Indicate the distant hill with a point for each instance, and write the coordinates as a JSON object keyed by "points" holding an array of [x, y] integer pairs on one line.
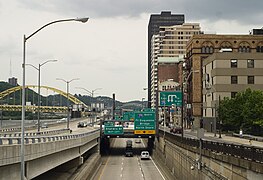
{"points": [[52, 100]]}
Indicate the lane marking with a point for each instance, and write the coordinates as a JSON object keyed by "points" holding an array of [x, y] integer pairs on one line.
{"points": [[155, 164], [105, 163]]}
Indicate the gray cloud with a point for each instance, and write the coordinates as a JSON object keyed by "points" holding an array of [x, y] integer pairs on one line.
{"points": [[211, 10]]}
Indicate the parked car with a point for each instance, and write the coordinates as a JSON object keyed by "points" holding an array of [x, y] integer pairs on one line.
{"points": [[176, 130], [145, 155], [82, 124]]}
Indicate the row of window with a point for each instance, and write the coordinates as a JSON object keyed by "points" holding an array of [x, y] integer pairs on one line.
{"points": [[250, 80], [245, 49], [250, 63]]}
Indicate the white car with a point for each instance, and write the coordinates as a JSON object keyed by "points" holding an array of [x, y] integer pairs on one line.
{"points": [[145, 155]]}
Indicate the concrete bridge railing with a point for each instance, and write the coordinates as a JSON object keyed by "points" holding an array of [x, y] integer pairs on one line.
{"points": [[43, 153]]}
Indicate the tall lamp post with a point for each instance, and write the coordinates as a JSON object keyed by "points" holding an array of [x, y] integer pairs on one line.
{"points": [[142, 103], [39, 97], [83, 20], [92, 95], [67, 82], [182, 88]]}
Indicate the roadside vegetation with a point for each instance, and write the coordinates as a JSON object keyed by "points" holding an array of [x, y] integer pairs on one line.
{"points": [[244, 112]]}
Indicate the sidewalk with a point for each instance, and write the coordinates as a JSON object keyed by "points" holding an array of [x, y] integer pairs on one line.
{"points": [[227, 138]]}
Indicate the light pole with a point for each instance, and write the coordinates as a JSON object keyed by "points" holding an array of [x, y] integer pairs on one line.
{"points": [[83, 20], [39, 97], [182, 88], [92, 95], [67, 82], [142, 103]]}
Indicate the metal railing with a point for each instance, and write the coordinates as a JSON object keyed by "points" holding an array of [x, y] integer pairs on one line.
{"points": [[250, 153]]}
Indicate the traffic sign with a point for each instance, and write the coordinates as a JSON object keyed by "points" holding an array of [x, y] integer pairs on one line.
{"points": [[128, 116], [168, 98], [144, 121], [144, 132], [148, 110], [108, 123], [109, 130]]}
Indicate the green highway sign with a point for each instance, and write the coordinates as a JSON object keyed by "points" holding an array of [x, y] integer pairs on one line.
{"points": [[148, 110], [128, 116], [110, 130], [144, 121], [109, 123], [168, 98]]}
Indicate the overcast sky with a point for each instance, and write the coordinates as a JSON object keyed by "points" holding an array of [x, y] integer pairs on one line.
{"points": [[110, 50]]}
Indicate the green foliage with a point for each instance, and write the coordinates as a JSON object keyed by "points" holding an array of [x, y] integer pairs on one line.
{"points": [[245, 112]]}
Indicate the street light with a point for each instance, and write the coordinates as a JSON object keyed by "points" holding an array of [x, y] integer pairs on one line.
{"points": [[92, 95], [67, 96], [83, 20], [182, 88], [39, 97], [142, 103]]}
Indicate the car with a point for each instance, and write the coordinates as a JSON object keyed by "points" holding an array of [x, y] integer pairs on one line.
{"points": [[129, 152], [82, 124], [176, 130], [44, 125], [145, 155], [128, 143], [138, 141]]}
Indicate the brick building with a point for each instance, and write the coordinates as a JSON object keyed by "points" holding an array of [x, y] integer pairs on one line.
{"points": [[202, 46]]}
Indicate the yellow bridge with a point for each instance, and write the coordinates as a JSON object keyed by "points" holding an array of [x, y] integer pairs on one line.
{"points": [[32, 108]]}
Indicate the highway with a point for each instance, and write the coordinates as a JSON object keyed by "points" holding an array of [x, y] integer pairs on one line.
{"points": [[117, 166]]}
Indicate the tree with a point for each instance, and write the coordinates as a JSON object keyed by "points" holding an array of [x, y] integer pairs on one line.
{"points": [[244, 111]]}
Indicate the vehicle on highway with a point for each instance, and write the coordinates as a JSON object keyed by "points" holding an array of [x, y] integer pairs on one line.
{"points": [[176, 130], [62, 120], [44, 125], [128, 152], [145, 155], [82, 124], [128, 143], [138, 140]]}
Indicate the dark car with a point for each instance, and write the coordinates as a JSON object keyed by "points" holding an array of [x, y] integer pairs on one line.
{"points": [[129, 152], [129, 143], [176, 130]]}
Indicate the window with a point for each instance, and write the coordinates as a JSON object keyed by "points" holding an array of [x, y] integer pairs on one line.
{"points": [[250, 79], [233, 63], [233, 94], [233, 79], [250, 63]]}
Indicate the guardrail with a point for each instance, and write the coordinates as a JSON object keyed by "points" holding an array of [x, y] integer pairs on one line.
{"points": [[250, 153], [58, 131], [41, 139]]}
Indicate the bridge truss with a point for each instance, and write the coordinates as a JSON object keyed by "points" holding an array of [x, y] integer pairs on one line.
{"points": [[32, 108]]}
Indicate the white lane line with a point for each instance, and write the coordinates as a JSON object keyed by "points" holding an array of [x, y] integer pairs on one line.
{"points": [[157, 168], [155, 164]]}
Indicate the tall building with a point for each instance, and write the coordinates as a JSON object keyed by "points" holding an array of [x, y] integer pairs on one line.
{"points": [[202, 46], [12, 81], [157, 20], [168, 49]]}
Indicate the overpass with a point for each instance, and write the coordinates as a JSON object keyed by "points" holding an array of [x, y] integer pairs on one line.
{"points": [[43, 153]]}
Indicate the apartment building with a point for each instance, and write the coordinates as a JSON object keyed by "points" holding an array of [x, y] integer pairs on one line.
{"points": [[224, 75], [168, 49], [200, 47], [166, 18]]}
